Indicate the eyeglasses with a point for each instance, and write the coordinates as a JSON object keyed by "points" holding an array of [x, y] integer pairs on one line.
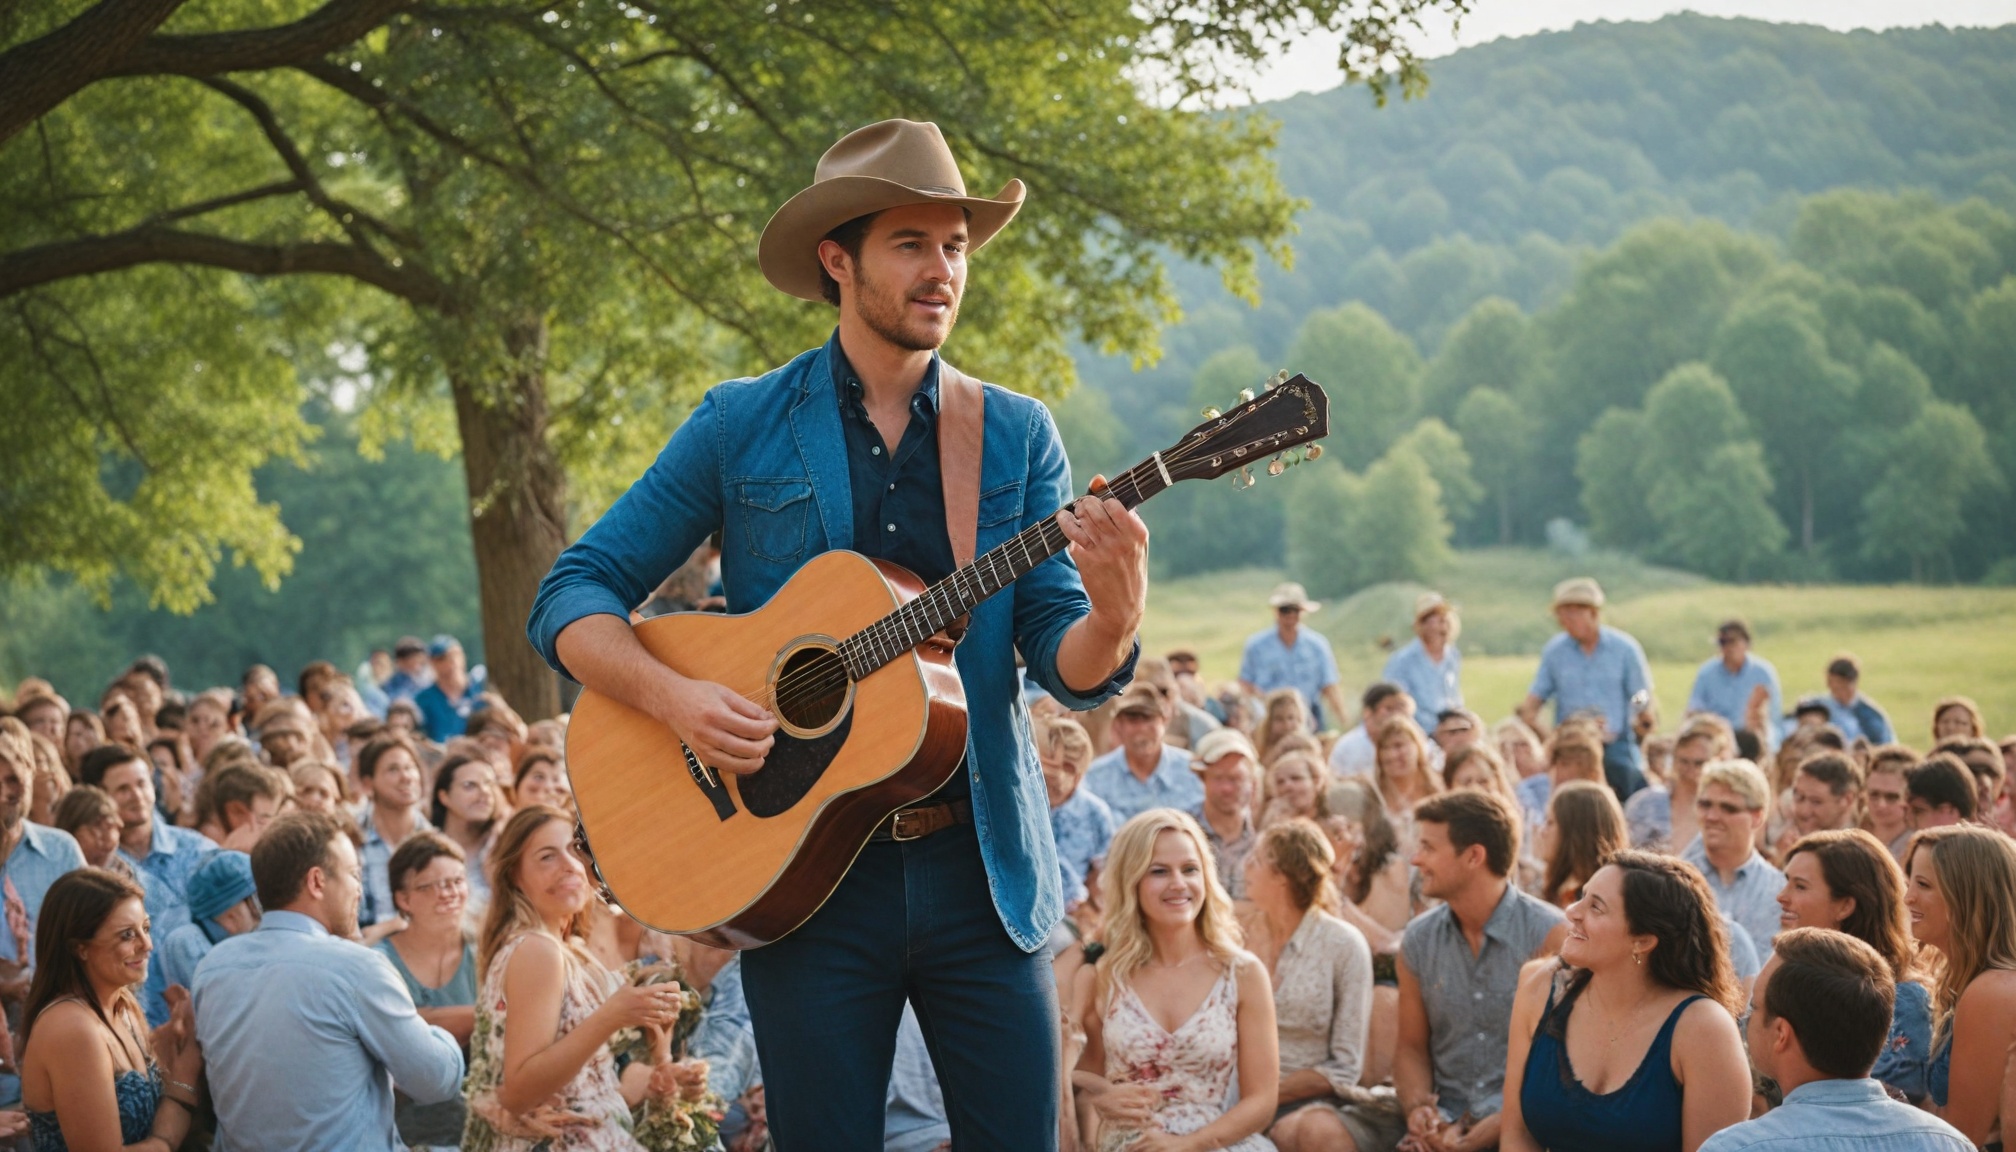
{"points": [[1725, 641], [450, 886], [1723, 806]]}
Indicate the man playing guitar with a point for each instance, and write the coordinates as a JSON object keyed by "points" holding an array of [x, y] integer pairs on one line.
{"points": [[838, 449]]}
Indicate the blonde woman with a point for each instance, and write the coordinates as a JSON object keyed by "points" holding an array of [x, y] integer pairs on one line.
{"points": [[1286, 714], [1406, 776], [1174, 1008], [1297, 786], [541, 1075], [1961, 894]]}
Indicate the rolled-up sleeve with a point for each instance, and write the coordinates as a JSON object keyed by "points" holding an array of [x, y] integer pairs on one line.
{"points": [[1051, 598], [425, 1061], [648, 532]]}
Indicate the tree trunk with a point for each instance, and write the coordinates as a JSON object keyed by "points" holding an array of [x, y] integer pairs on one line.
{"points": [[518, 515]]}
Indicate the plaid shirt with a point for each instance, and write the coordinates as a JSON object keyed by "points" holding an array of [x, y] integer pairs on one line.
{"points": [[376, 856]]}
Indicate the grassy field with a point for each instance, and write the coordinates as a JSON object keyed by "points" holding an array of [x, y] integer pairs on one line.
{"points": [[1916, 644]]}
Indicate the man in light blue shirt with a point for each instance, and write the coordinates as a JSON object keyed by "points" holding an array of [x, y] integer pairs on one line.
{"points": [[1819, 1016], [1143, 772], [1291, 656], [1595, 669], [1731, 804], [1429, 667], [166, 855], [1725, 684], [304, 1033]]}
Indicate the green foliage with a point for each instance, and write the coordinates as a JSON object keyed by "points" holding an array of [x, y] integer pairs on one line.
{"points": [[1491, 347], [1914, 510], [1443, 451], [1202, 527], [1353, 531], [1371, 372], [1606, 462], [1499, 435]]}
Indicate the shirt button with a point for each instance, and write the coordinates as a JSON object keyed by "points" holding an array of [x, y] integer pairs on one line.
{"points": [[892, 527], [892, 487], [875, 451]]}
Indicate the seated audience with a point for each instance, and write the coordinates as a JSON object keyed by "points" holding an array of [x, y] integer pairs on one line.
{"points": [[445, 704], [223, 902], [1984, 761], [1377, 878], [1284, 713], [1406, 774], [167, 854], [914, 1118], [1957, 718], [468, 808], [1940, 792], [1143, 772], [1353, 754], [1080, 823], [1962, 897], [319, 786], [236, 803], [82, 731], [284, 734], [306, 1033], [1846, 881], [1478, 766], [1656, 1061], [541, 778], [1818, 1021], [1520, 747], [1661, 817], [91, 817], [1455, 730], [436, 960], [1573, 754], [1322, 977], [1584, 828], [1174, 1009], [90, 1077], [1297, 788], [1887, 811], [209, 721], [1731, 808], [1459, 969], [390, 770], [1228, 765], [32, 858]]}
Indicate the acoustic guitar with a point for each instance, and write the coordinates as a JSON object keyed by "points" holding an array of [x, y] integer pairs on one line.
{"points": [[850, 657]]}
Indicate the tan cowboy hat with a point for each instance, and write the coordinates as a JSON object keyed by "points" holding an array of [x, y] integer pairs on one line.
{"points": [[1580, 590], [1292, 595], [886, 165]]}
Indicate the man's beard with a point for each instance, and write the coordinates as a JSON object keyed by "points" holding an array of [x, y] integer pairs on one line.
{"points": [[890, 319]]}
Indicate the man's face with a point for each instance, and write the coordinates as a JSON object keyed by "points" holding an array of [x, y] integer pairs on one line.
{"points": [[412, 663], [1398, 704], [1579, 621], [132, 787], [342, 888], [1887, 809], [450, 665], [17, 784], [1444, 871], [1433, 629], [1140, 733], [1760, 1031], [1815, 808], [284, 740], [1228, 784], [45, 720], [1689, 758], [395, 781], [1841, 688], [1728, 824], [1455, 732], [1288, 616], [1986, 767], [1734, 647], [906, 285], [261, 688], [1924, 815]]}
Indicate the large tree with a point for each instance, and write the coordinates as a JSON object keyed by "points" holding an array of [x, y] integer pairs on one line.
{"points": [[531, 227]]}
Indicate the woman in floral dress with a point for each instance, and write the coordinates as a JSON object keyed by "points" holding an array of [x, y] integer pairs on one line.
{"points": [[541, 1073], [1174, 1008]]}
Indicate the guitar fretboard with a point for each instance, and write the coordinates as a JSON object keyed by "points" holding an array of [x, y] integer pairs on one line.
{"points": [[957, 594]]}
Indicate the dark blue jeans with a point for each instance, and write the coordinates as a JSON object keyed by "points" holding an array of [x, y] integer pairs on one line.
{"points": [[911, 921]]}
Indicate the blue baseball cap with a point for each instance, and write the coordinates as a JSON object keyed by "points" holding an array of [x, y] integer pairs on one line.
{"points": [[441, 645], [221, 881]]}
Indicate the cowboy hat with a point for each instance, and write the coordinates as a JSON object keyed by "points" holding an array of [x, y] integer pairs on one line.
{"points": [[882, 166], [1289, 594]]}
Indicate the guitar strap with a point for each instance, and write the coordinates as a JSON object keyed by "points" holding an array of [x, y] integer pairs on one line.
{"points": [[961, 422]]}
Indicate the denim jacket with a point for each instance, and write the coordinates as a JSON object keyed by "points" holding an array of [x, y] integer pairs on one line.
{"points": [[764, 460]]}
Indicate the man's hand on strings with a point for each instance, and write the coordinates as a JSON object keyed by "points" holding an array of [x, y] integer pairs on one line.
{"points": [[726, 730], [1109, 543]]}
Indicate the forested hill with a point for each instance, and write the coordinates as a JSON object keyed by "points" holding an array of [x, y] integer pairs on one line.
{"points": [[1630, 194]]}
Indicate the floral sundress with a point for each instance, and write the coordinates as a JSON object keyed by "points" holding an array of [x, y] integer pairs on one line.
{"points": [[1192, 1067]]}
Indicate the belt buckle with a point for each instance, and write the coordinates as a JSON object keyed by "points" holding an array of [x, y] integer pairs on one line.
{"points": [[899, 825]]}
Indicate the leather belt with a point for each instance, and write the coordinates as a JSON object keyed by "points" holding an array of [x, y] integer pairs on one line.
{"points": [[923, 820]]}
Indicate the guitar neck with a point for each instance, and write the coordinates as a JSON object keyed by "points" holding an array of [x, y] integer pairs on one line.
{"points": [[958, 594]]}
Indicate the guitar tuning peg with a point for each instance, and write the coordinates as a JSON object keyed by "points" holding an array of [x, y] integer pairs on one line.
{"points": [[1212, 413], [1245, 394], [1246, 474], [1280, 377], [1276, 466], [1315, 452]]}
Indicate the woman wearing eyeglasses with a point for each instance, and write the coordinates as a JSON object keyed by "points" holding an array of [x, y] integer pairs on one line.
{"points": [[437, 960]]}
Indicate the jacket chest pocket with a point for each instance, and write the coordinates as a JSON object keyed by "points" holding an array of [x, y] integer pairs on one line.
{"points": [[1001, 505], [773, 516]]}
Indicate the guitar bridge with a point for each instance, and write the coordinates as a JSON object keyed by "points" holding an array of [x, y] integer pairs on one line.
{"points": [[710, 783]]}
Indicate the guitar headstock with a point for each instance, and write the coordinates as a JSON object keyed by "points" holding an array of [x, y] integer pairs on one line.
{"points": [[1291, 412]]}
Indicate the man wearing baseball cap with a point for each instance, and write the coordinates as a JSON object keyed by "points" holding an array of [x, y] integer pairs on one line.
{"points": [[445, 704], [1592, 668], [840, 449], [1429, 667], [1291, 656], [1145, 771], [1225, 761]]}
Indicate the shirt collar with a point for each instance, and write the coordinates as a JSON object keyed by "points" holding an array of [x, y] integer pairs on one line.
{"points": [[1499, 925], [1837, 1092], [1303, 930], [38, 839], [847, 386], [281, 920]]}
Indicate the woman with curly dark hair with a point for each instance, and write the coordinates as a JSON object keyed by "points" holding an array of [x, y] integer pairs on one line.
{"points": [[1629, 1044]]}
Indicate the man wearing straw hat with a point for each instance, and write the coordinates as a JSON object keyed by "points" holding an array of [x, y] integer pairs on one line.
{"points": [[1291, 656], [840, 448], [1590, 668], [1429, 667]]}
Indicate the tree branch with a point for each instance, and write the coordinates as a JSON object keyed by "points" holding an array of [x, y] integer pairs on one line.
{"points": [[252, 50], [44, 72], [219, 203], [91, 255]]}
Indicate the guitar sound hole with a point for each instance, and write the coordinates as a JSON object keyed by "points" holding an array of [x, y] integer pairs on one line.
{"points": [[811, 688]]}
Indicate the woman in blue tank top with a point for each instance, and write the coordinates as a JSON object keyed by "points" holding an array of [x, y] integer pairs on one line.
{"points": [[1630, 1043]]}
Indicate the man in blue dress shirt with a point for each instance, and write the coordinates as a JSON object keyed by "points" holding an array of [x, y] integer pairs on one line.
{"points": [[1291, 656], [1143, 772], [1593, 668], [1725, 685], [1819, 1016], [1429, 667], [304, 1033]]}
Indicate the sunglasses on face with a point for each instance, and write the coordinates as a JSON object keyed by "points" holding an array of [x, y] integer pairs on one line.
{"points": [[1723, 806]]}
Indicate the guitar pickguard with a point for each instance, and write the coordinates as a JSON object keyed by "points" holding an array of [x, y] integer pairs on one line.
{"points": [[793, 766]]}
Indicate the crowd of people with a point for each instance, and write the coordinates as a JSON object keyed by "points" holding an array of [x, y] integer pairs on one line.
{"points": [[242, 914]]}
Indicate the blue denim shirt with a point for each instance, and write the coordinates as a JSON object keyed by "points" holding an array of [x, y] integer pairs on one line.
{"points": [[764, 460], [1727, 694], [1840, 1116], [1308, 667], [304, 1036], [1751, 896], [1905, 1061], [1082, 826], [1602, 681], [1435, 686]]}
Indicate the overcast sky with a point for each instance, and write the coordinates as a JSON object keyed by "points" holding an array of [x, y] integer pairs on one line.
{"points": [[1312, 64]]}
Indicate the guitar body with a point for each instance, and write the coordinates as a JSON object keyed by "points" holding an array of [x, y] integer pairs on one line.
{"points": [[737, 862]]}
